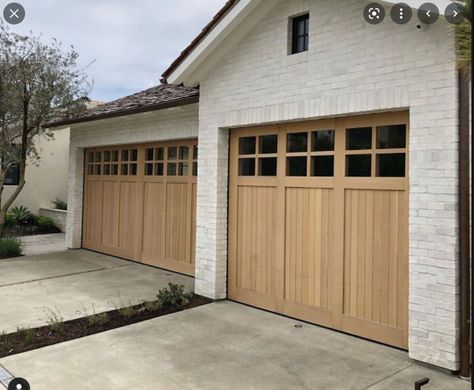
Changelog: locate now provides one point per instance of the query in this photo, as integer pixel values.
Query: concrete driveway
(73, 284)
(223, 345)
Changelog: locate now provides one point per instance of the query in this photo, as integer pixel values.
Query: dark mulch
(28, 230)
(17, 342)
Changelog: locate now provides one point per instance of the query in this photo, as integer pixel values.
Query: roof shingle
(158, 97)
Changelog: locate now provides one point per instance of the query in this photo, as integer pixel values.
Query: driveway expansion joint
(389, 376)
(64, 275)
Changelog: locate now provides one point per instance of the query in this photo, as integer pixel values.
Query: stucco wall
(351, 67)
(169, 124)
(48, 180)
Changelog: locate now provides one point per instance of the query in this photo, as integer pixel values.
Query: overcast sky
(131, 41)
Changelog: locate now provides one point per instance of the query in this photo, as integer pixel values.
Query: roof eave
(125, 112)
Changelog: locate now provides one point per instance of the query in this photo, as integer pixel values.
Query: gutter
(464, 223)
(124, 112)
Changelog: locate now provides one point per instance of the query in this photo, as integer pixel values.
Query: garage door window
(258, 155)
(378, 152)
(319, 153)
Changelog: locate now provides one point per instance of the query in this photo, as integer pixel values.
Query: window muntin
(300, 34)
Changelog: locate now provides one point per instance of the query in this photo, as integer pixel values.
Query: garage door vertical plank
(361, 256)
(393, 258)
(369, 260)
(385, 257)
(377, 267)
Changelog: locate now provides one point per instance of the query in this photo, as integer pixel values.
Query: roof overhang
(125, 112)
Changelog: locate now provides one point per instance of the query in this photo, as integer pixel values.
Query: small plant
(127, 311)
(54, 319)
(152, 305)
(98, 319)
(10, 247)
(5, 345)
(45, 222)
(20, 214)
(173, 296)
(59, 204)
(28, 334)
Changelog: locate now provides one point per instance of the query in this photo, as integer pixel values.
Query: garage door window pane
(159, 169)
(268, 166)
(134, 155)
(159, 154)
(247, 145)
(124, 155)
(124, 170)
(195, 152)
(149, 154)
(359, 165)
(149, 169)
(322, 166)
(115, 155)
(133, 169)
(391, 165)
(183, 169)
(391, 137)
(247, 167)
(97, 170)
(107, 156)
(322, 141)
(195, 168)
(296, 166)
(91, 157)
(90, 169)
(114, 170)
(172, 153)
(98, 157)
(359, 139)
(268, 144)
(172, 169)
(297, 142)
(183, 153)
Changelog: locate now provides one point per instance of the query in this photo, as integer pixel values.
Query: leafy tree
(463, 34)
(38, 83)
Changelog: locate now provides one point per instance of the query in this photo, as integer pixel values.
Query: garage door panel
(256, 239)
(110, 213)
(127, 221)
(374, 249)
(153, 220)
(177, 227)
(92, 211)
(307, 245)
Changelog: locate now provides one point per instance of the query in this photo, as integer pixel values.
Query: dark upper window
(300, 34)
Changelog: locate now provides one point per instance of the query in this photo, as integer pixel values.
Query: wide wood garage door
(319, 223)
(140, 203)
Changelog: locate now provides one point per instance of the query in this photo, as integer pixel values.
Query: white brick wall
(351, 67)
(169, 124)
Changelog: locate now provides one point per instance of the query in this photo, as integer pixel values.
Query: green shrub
(151, 305)
(173, 296)
(28, 334)
(59, 204)
(5, 343)
(20, 214)
(10, 219)
(10, 247)
(45, 222)
(127, 311)
(98, 319)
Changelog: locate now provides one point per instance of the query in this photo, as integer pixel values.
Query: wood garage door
(319, 223)
(140, 203)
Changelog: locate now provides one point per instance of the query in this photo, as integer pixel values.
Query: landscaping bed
(57, 332)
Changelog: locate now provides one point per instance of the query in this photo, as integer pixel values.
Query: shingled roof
(156, 98)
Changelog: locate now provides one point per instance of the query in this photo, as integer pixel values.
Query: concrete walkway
(223, 345)
(43, 243)
(73, 284)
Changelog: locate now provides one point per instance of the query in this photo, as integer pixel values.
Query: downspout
(464, 223)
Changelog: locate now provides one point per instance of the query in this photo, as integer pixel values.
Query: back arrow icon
(428, 13)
